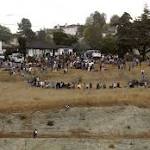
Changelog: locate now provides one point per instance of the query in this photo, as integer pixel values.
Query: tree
(124, 34)
(109, 45)
(22, 45)
(114, 21)
(45, 35)
(94, 28)
(142, 31)
(81, 46)
(61, 38)
(5, 34)
(25, 28)
(80, 31)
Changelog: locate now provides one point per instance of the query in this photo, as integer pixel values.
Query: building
(69, 29)
(64, 50)
(39, 48)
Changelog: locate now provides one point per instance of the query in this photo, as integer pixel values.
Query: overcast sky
(48, 13)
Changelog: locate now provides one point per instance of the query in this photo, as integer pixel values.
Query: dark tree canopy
(142, 31)
(22, 45)
(124, 34)
(45, 35)
(114, 21)
(24, 25)
(61, 38)
(25, 28)
(5, 34)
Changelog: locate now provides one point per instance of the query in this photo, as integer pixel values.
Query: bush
(50, 123)
(23, 117)
(111, 146)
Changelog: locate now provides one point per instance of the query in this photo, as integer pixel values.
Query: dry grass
(22, 97)
(16, 95)
(78, 134)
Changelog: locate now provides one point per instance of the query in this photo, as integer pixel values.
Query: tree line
(119, 36)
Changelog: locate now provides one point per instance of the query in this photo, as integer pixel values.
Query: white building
(61, 51)
(69, 29)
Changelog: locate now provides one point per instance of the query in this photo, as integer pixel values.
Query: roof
(40, 45)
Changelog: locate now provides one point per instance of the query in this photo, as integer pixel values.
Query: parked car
(92, 54)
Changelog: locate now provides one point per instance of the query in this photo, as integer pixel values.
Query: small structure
(39, 48)
(69, 29)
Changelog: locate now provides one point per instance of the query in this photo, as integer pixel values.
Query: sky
(48, 13)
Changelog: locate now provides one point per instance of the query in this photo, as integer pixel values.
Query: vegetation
(61, 38)
(25, 98)
(24, 28)
(5, 34)
(121, 35)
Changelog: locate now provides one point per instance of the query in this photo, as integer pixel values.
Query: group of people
(36, 82)
(66, 62)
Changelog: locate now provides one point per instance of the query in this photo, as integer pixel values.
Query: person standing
(35, 133)
(142, 75)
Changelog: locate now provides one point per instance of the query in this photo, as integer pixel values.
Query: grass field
(17, 95)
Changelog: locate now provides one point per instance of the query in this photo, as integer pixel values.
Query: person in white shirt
(35, 133)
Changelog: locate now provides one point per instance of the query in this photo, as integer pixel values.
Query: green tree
(124, 34)
(114, 20)
(81, 46)
(45, 35)
(109, 45)
(25, 29)
(22, 45)
(142, 31)
(94, 28)
(61, 38)
(80, 31)
(5, 34)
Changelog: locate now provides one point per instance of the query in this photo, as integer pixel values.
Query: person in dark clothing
(90, 85)
(97, 86)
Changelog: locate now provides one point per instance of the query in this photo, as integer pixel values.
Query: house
(69, 29)
(39, 48)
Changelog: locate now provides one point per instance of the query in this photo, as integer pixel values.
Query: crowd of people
(36, 82)
(72, 61)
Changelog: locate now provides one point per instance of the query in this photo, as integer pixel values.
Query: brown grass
(16, 95)
(114, 136)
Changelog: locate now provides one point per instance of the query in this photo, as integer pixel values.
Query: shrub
(50, 123)
(111, 146)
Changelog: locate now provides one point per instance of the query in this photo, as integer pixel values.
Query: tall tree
(22, 45)
(124, 34)
(142, 31)
(94, 28)
(25, 28)
(5, 34)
